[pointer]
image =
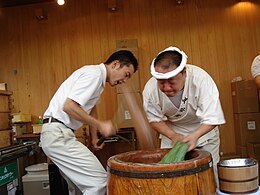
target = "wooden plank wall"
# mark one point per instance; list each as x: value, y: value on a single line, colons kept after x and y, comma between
x: 36, y: 56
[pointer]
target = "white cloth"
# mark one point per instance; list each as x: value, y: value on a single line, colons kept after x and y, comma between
x: 174, y: 72
x: 75, y: 160
x: 255, y: 68
x: 200, y: 105
x: 84, y: 86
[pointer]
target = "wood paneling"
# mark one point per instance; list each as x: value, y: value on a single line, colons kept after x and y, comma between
x: 36, y: 56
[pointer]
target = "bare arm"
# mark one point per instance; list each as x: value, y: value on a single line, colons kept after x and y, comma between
x: 72, y: 108
x: 192, y: 138
x: 94, y: 130
x: 162, y: 128
x: 257, y: 81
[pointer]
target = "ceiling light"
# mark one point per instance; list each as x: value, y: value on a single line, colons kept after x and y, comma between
x: 61, y: 2
x: 179, y: 2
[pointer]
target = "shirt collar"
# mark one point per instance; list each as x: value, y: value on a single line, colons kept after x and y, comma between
x: 104, y: 73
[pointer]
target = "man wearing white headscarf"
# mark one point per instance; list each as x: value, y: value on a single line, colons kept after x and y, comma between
x: 255, y: 70
x: 182, y: 103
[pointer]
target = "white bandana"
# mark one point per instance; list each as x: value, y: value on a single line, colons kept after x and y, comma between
x: 174, y: 72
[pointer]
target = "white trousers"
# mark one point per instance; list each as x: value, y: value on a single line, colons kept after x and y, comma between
x: 77, y: 164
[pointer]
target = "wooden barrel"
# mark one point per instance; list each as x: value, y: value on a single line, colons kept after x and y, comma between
x: 238, y: 175
x: 138, y: 172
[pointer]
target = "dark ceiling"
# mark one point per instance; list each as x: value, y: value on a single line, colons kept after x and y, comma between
x: 13, y: 3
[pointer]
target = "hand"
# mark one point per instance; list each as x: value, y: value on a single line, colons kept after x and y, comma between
x: 176, y: 137
x: 192, y: 139
x: 96, y: 147
x: 107, y: 128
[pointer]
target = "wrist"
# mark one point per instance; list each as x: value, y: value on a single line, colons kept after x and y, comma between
x: 172, y: 135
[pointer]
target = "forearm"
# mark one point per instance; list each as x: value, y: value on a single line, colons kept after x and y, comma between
x: 93, y: 130
x: 106, y: 128
x: 192, y: 138
x: 74, y: 110
x: 162, y: 128
x: 257, y: 81
x: 203, y: 129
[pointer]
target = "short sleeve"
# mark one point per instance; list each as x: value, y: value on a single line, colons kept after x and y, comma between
x: 209, y: 108
x: 84, y: 88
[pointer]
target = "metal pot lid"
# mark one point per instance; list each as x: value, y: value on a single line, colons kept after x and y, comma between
x: 238, y: 162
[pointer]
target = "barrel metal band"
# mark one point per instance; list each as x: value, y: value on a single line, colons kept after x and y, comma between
x: 161, y: 174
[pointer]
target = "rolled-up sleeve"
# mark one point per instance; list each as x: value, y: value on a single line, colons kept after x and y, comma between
x: 209, y: 108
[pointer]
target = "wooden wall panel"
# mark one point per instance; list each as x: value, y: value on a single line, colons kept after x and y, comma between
x: 36, y: 56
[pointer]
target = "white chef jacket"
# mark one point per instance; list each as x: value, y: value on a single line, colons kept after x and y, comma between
x: 255, y: 68
x: 199, y: 105
x: 84, y: 86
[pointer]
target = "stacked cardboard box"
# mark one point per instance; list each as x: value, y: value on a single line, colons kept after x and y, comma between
x: 128, y: 90
x: 246, y: 114
x: 253, y: 150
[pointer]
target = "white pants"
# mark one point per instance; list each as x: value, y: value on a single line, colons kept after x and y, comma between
x: 77, y: 164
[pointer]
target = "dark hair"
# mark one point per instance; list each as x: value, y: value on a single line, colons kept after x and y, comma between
x: 125, y: 58
x: 174, y: 57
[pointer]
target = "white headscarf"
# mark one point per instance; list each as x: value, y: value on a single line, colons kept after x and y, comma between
x: 174, y: 72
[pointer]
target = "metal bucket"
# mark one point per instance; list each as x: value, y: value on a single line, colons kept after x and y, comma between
x: 238, y: 175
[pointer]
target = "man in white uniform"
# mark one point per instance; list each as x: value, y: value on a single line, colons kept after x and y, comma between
x: 255, y: 70
x: 182, y: 102
x: 72, y: 106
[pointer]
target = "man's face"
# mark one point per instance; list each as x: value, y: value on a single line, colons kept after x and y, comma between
x: 120, y: 75
x: 172, y: 85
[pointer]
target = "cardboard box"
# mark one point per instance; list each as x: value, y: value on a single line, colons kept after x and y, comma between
x: 37, y: 128
x: 247, y: 128
x: 227, y: 156
x: 241, y: 151
x: 123, y: 117
x: 21, y: 118
x: 253, y: 149
x: 19, y: 129
x: 244, y: 97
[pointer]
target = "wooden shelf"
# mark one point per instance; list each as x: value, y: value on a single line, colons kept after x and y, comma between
x: 5, y: 110
x: 5, y: 92
x: 27, y: 135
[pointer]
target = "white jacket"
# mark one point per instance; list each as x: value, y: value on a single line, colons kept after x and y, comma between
x: 199, y: 105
